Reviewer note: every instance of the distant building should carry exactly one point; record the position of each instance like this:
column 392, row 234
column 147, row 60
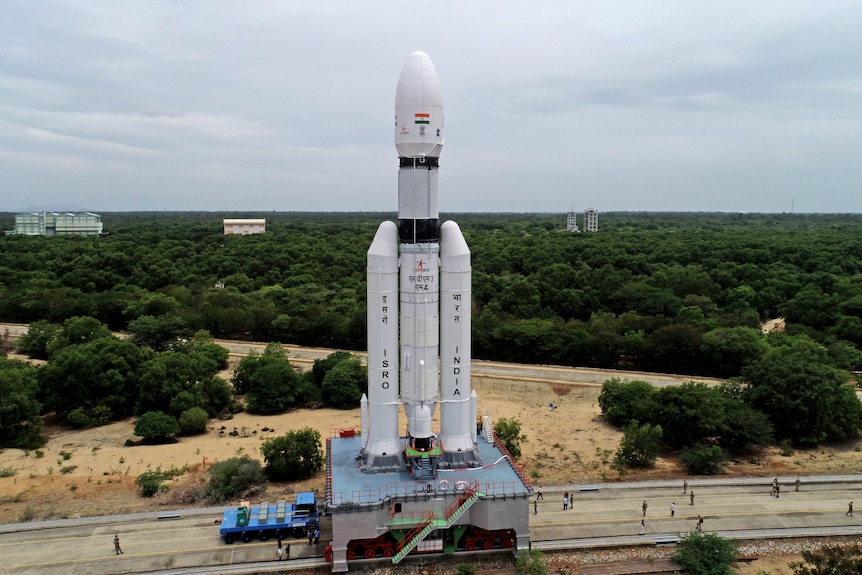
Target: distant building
column 58, row 224
column 572, row 222
column 591, row 220
column 244, row 227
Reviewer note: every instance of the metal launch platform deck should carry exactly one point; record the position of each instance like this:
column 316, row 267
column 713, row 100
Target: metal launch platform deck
column 350, row 485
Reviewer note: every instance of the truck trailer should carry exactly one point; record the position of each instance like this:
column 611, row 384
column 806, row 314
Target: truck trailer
column 264, row 521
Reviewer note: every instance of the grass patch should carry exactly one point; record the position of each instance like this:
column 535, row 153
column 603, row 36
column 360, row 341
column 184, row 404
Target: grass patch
column 8, row 471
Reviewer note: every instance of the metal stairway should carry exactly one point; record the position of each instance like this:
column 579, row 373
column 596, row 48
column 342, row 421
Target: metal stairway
column 452, row 513
column 424, row 468
column 487, row 428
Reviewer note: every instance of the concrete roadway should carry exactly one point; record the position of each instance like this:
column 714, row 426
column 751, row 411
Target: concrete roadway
column 734, row 508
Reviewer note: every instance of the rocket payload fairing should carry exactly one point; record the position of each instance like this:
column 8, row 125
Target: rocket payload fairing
column 419, row 290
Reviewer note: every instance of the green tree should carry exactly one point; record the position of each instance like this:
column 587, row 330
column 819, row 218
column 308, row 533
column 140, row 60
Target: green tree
column 234, row 478
column 743, row 427
column 731, row 348
column 639, row 445
column 344, row 384
column 701, row 460
column 689, row 412
column 35, row 342
column 705, row 554
column 806, row 399
column 829, row 560
column 193, row 420
column 98, row 374
column 508, row 431
column 20, row 424
column 156, row 426
column 294, row 456
column 321, row 367
column 274, row 387
column 159, row 333
column 624, row 401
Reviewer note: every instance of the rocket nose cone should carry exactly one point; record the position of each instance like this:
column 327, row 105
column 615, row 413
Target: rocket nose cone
column 418, row 108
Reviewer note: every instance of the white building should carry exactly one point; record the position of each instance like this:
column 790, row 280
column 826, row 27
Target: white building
column 591, row 220
column 244, row 227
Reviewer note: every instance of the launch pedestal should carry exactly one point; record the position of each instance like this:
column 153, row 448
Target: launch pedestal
column 461, row 510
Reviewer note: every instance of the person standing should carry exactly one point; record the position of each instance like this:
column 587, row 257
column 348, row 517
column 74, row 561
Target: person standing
column 535, row 507
column 310, row 535
column 539, row 493
column 644, row 508
column 777, row 491
column 280, row 549
column 798, row 482
column 684, row 486
column 672, row 509
column 699, row 523
column 118, row 549
column 643, row 527
column 565, row 500
column 691, row 497
column 849, row 512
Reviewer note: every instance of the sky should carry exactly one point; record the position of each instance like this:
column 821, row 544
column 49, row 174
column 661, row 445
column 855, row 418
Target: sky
column 655, row 105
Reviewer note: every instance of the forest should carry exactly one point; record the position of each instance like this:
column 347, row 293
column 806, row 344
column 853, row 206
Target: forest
column 682, row 293
column 672, row 292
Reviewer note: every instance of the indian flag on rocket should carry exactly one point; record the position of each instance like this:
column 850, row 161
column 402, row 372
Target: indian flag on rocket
column 421, row 118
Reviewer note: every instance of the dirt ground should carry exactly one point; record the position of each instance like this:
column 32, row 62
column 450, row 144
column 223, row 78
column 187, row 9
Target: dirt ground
column 92, row 472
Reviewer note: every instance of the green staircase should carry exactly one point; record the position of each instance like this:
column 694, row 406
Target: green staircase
column 432, row 522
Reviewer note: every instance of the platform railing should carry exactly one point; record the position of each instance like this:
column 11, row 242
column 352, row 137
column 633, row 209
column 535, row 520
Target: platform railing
column 517, row 467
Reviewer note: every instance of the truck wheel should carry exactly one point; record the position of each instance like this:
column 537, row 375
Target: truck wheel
column 370, row 554
column 469, row 546
column 228, row 539
column 487, row 544
column 263, row 536
column 245, row 538
column 351, row 555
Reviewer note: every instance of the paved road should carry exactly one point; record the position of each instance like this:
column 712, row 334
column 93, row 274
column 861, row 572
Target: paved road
column 606, row 515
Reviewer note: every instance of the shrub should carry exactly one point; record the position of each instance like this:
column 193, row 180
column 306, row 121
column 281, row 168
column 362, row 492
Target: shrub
column 701, row 554
column 233, row 478
column 508, row 431
column 704, row 460
column 83, row 418
column 639, row 445
column 193, row 420
column 156, row 425
column 151, row 482
column 531, row 562
column 295, row 455
column 829, row 559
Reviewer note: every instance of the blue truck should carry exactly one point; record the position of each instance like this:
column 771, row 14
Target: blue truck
column 268, row 520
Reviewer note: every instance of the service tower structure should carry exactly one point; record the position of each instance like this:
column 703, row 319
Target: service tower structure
column 419, row 272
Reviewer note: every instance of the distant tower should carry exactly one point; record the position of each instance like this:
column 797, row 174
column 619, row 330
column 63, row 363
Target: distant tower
column 591, row 220
column 572, row 221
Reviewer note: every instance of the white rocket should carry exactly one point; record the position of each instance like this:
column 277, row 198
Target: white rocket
column 418, row 303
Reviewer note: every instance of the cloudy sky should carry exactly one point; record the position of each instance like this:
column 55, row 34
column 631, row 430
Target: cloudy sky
column 550, row 105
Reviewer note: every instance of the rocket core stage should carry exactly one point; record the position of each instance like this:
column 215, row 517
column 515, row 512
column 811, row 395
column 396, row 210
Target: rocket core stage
column 419, row 272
